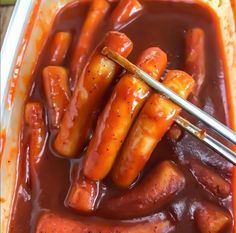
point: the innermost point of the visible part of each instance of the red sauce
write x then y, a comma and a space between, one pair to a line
2, 142
162, 24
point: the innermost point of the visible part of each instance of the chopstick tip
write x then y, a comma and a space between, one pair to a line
105, 51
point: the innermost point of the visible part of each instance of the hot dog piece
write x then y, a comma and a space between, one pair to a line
195, 66
53, 223
159, 186
91, 87
55, 81
114, 122
34, 118
59, 48
125, 12
94, 18
195, 58
83, 193
210, 179
155, 119
211, 218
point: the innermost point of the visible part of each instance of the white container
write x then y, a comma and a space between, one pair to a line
25, 38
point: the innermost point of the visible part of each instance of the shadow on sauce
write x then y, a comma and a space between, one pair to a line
162, 24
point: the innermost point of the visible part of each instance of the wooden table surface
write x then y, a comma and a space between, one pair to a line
5, 15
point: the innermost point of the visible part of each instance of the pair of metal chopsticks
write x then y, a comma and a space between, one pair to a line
201, 134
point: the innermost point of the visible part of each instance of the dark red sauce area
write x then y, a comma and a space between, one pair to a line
162, 24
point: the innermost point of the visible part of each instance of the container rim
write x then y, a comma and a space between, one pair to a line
11, 43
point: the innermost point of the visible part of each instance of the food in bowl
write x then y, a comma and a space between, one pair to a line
99, 148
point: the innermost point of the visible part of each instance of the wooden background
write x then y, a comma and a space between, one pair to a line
5, 15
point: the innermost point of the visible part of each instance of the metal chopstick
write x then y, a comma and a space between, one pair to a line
188, 126
207, 139
189, 107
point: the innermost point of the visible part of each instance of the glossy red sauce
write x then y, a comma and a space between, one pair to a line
2, 141
162, 24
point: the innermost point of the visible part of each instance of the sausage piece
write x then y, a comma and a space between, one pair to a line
91, 87
195, 66
213, 182
34, 118
125, 12
59, 48
83, 193
155, 190
51, 223
116, 119
154, 120
56, 88
211, 218
97, 12
195, 59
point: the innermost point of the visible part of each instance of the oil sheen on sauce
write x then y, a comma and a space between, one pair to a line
162, 24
